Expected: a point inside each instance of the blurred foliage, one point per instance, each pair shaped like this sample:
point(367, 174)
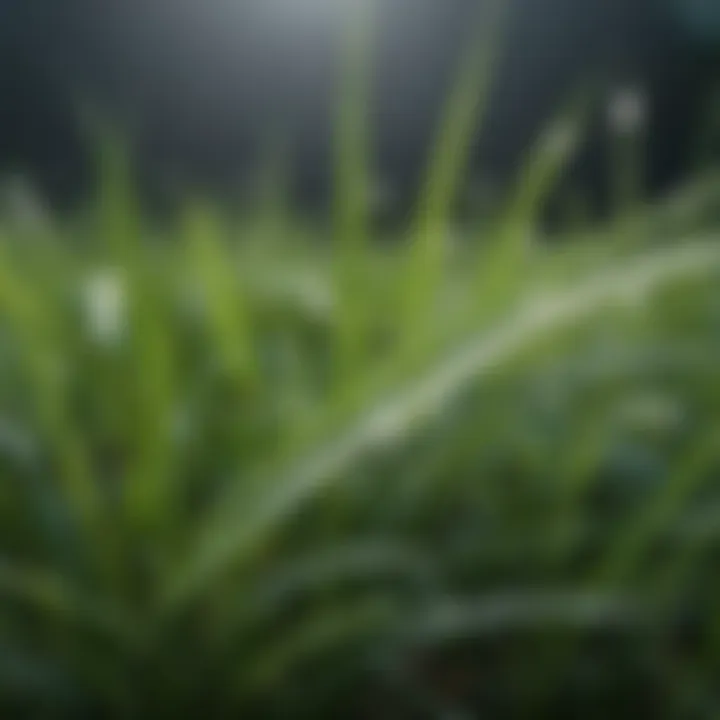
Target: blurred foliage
point(497, 499)
point(250, 468)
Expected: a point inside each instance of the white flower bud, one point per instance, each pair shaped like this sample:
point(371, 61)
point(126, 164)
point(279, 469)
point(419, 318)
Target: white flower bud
point(627, 111)
point(104, 303)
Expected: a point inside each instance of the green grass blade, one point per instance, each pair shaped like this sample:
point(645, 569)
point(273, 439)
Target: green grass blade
point(426, 259)
point(352, 198)
point(227, 315)
point(240, 526)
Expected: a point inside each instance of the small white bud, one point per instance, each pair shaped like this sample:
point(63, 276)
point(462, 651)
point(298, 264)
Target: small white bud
point(105, 306)
point(627, 111)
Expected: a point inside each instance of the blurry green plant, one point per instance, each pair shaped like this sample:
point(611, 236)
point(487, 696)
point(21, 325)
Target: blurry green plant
point(249, 472)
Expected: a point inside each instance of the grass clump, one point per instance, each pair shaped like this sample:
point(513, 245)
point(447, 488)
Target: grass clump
point(211, 499)
point(247, 472)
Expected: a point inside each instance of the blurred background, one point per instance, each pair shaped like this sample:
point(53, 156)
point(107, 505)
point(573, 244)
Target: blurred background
point(200, 91)
point(302, 415)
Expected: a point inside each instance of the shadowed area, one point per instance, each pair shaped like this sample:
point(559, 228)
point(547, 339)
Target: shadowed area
point(202, 89)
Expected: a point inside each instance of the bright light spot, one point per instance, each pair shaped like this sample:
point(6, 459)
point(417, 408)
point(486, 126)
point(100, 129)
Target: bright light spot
point(311, 15)
point(312, 7)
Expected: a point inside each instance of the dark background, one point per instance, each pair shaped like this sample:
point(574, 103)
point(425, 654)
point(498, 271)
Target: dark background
point(199, 88)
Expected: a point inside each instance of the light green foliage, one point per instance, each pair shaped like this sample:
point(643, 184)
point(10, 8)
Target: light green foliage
point(248, 473)
point(190, 506)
